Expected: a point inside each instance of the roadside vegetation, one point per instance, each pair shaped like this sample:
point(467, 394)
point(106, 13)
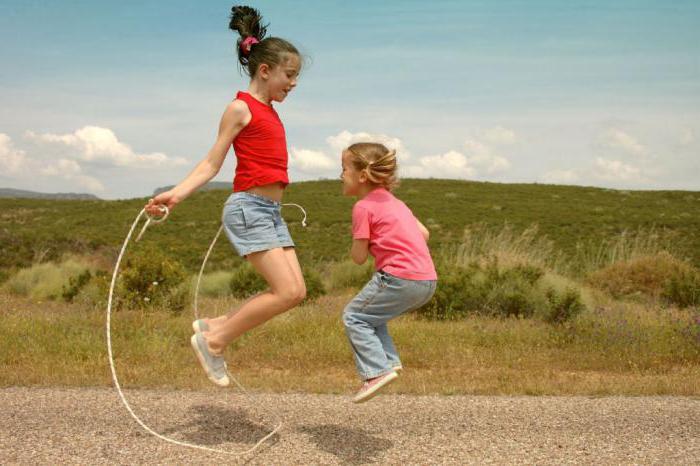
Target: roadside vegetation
point(518, 309)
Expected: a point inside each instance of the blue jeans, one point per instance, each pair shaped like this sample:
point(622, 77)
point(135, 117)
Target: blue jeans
point(365, 317)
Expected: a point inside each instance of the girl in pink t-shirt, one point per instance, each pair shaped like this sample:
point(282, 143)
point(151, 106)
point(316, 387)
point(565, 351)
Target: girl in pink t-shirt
point(384, 227)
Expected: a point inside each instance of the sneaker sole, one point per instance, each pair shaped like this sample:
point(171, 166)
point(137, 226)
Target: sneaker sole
point(202, 362)
point(371, 393)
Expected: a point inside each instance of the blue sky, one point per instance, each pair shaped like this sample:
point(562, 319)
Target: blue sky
point(117, 98)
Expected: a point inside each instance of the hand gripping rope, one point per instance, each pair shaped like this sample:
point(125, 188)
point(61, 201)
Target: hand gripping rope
point(150, 219)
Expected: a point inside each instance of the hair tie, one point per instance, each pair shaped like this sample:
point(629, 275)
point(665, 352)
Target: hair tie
point(247, 44)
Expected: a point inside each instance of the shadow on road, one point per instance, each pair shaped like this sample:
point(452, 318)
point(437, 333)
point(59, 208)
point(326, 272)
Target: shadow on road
point(214, 425)
point(352, 446)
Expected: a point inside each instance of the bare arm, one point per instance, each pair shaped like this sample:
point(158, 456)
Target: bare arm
point(424, 231)
point(235, 118)
point(359, 251)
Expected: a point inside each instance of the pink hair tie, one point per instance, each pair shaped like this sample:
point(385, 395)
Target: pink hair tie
point(247, 43)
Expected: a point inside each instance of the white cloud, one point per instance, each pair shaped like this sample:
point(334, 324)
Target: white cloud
point(70, 170)
point(615, 170)
point(449, 165)
point(687, 137)
point(94, 143)
point(619, 140)
point(63, 167)
point(560, 176)
point(345, 138)
point(12, 160)
point(312, 161)
point(478, 156)
point(499, 135)
point(21, 167)
point(481, 156)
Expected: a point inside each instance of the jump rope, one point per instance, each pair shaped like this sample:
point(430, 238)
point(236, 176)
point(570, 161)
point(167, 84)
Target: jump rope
point(150, 219)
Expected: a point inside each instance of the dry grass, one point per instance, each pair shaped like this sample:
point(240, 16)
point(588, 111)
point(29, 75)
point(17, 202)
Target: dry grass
point(619, 349)
point(510, 248)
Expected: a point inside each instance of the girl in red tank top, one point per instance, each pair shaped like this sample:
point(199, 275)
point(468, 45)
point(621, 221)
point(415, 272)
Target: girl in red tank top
point(251, 217)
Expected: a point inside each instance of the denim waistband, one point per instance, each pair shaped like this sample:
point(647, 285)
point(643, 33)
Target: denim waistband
point(256, 197)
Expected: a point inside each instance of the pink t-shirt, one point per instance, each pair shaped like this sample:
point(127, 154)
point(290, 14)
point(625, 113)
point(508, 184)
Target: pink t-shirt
point(395, 241)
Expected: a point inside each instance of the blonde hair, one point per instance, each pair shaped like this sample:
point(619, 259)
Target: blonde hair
point(377, 161)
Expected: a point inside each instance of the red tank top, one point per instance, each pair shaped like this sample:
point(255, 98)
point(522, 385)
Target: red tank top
point(260, 147)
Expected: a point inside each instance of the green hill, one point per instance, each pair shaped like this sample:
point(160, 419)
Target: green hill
point(36, 229)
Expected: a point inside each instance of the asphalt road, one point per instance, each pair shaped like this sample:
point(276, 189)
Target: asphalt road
point(91, 426)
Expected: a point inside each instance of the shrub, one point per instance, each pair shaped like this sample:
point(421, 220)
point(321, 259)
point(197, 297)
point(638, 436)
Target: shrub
point(646, 275)
point(4, 275)
point(314, 284)
point(562, 307)
point(683, 288)
point(483, 290)
point(150, 279)
point(75, 284)
point(458, 293)
point(245, 282)
point(346, 274)
point(492, 289)
point(214, 284)
point(45, 281)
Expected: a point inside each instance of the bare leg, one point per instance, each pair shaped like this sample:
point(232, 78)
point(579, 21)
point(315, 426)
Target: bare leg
point(215, 322)
point(281, 271)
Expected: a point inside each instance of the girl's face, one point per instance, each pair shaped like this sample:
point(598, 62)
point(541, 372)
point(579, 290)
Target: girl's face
point(282, 78)
point(353, 179)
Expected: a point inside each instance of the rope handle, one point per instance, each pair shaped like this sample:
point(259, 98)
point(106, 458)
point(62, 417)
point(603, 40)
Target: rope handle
point(150, 218)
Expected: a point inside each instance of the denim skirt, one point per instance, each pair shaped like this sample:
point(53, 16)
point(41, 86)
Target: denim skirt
point(253, 223)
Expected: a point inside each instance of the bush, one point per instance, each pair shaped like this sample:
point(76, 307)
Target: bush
point(458, 293)
point(45, 281)
point(75, 284)
point(150, 279)
point(683, 288)
point(245, 282)
point(562, 307)
point(645, 275)
point(314, 284)
point(346, 274)
point(495, 290)
point(214, 284)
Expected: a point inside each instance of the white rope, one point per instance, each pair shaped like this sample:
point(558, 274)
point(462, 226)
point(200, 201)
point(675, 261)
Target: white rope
point(111, 356)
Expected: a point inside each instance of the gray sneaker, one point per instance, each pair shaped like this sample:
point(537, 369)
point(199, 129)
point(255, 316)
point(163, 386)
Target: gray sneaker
point(200, 326)
point(213, 365)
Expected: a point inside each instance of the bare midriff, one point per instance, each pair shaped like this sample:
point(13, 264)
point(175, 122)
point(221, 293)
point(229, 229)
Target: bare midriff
point(272, 191)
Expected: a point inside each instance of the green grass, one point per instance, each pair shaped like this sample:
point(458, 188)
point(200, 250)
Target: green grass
point(577, 220)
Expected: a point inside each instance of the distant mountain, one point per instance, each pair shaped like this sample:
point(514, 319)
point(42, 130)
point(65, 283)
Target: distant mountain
point(18, 193)
point(207, 187)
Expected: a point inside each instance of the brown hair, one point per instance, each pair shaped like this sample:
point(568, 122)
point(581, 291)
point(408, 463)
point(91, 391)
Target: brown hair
point(271, 51)
point(378, 162)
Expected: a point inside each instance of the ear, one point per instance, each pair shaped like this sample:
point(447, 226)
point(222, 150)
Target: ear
point(363, 177)
point(264, 70)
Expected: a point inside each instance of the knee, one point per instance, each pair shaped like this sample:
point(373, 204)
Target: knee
point(292, 295)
